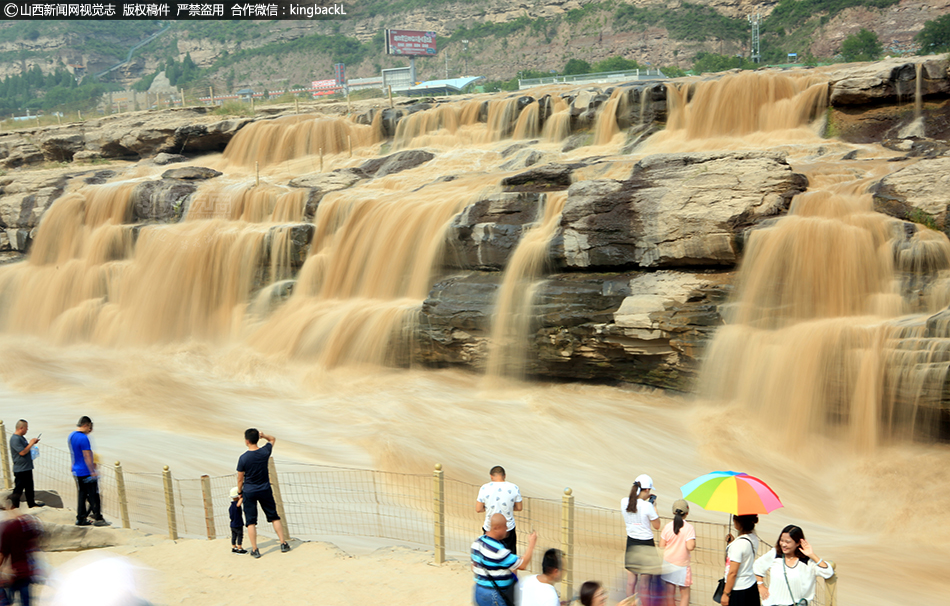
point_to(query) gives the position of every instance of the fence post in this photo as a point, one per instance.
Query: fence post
(567, 543)
(7, 470)
(170, 504)
(831, 586)
(123, 498)
(438, 510)
(278, 499)
(209, 506)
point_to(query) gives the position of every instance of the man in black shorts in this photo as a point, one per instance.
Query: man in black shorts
(253, 482)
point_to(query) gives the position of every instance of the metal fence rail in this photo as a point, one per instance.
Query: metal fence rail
(430, 511)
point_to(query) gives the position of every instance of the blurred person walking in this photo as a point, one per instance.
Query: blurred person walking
(740, 588)
(793, 568)
(494, 564)
(253, 484)
(19, 538)
(592, 593)
(538, 590)
(500, 496)
(86, 474)
(21, 452)
(641, 519)
(677, 540)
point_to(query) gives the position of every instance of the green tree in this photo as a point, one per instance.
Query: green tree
(935, 37)
(672, 71)
(862, 46)
(615, 64)
(576, 66)
(711, 62)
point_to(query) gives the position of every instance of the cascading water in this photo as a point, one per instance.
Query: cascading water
(513, 315)
(227, 319)
(811, 334)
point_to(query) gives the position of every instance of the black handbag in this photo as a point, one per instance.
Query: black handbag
(721, 587)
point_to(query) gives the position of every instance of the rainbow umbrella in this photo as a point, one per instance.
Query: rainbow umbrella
(731, 492)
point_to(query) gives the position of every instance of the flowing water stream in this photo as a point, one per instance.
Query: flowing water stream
(174, 338)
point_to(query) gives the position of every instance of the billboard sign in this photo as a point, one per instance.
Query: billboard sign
(409, 42)
(339, 72)
(323, 87)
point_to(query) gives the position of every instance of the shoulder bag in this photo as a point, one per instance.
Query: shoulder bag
(801, 602)
(721, 587)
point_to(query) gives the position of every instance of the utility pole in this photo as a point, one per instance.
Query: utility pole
(755, 20)
(465, 50)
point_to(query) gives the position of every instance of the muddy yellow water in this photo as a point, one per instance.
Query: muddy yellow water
(171, 345)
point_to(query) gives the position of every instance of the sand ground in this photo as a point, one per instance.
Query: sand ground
(192, 571)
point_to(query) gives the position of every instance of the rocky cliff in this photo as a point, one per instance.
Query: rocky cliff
(504, 38)
(640, 264)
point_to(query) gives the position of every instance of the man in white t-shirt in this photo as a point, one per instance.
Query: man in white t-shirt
(539, 590)
(500, 496)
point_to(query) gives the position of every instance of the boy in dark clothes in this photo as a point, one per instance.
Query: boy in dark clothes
(237, 522)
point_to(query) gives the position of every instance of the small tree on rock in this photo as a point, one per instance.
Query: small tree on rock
(862, 46)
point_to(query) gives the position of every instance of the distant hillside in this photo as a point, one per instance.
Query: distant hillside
(504, 38)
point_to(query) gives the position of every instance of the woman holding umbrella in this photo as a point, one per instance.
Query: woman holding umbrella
(793, 567)
(744, 496)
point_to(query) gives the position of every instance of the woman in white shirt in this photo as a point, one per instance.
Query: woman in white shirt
(740, 555)
(640, 517)
(793, 568)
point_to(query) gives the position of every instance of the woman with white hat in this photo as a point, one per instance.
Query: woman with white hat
(641, 519)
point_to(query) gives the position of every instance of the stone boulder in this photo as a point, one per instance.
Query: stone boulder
(191, 173)
(394, 163)
(164, 159)
(161, 201)
(544, 178)
(484, 235)
(674, 210)
(890, 80)
(321, 184)
(919, 192)
(18, 149)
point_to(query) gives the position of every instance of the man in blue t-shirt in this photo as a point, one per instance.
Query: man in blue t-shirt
(253, 483)
(87, 477)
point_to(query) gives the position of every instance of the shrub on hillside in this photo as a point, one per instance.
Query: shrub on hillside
(935, 37)
(862, 46)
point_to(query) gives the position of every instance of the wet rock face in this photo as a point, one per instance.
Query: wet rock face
(548, 177)
(160, 201)
(648, 328)
(191, 173)
(486, 233)
(890, 80)
(394, 163)
(675, 210)
(24, 198)
(919, 193)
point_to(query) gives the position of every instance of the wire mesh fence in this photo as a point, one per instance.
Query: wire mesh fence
(322, 501)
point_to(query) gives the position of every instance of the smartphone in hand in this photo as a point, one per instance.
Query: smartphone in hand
(652, 499)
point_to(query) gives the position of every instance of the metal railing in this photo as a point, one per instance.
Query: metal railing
(317, 501)
(603, 77)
